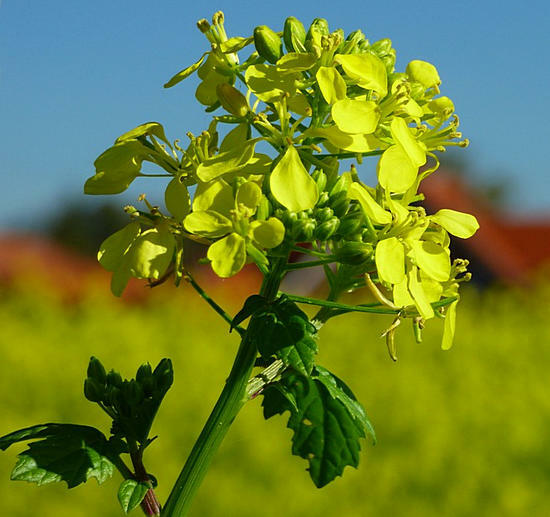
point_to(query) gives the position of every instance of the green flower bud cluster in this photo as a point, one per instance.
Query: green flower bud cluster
(133, 403)
(315, 96)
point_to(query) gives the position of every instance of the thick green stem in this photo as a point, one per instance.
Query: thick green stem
(231, 400)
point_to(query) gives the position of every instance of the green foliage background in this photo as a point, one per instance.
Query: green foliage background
(460, 433)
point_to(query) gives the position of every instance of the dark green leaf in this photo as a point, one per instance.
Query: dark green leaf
(65, 452)
(251, 305)
(281, 329)
(327, 421)
(131, 493)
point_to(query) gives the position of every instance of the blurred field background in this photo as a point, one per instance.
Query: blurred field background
(460, 433)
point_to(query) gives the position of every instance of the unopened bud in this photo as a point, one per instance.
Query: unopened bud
(96, 370)
(354, 253)
(93, 391)
(326, 230)
(268, 44)
(294, 35)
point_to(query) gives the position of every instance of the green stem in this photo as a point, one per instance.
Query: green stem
(188, 278)
(231, 400)
(309, 263)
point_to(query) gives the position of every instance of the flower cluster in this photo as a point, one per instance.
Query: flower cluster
(318, 100)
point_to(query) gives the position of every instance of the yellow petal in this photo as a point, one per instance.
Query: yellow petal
(456, 223)
(228, 255)
(370, 207)
(390, 260)
(331, 84)
(403, 136)
(396, 172)
(367, 69)
(353, 116)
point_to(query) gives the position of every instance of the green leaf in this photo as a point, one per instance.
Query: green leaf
(327, 421)
(177, 199)
(356, 116)
(267, 234)
(228, 161)
(370, 207)
(331, 83)
(367, 70)
(208, 223)
(64, 452)
(131, 493)
(284, 331)
(116, 168)
(228, 255)
(113, 248)
(186, 72)
(390, 260)
(152, 253)
(456, 223)
(291, 184)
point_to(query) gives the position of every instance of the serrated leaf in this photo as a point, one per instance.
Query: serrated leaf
(65, 452)
(131, 493)
(327, 421)
(284, 331)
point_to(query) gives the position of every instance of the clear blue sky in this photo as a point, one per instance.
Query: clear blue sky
(76, 74)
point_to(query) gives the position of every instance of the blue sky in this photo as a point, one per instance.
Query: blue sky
(74, 75)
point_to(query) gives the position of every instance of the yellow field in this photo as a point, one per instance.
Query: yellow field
(460, 433)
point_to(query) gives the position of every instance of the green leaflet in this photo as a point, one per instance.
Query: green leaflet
(208, 223)
(64, 452)
(331, 83)
(131, 493)
(116, 168)
(268, 84)
(291, 184)
(228, 161)
(282, 330)
(367, 70)
(356, 116)
(456, 223)
(390, 260)
(431, 258)
(228, 255)
(177, 199)
(267, 234)
(327, 421)
(370, 207)
(186, 72)
(151, 254)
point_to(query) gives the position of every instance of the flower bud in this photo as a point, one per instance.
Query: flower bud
(268, 44)
(96, 370)
(354, 253)
(319, 25)
(324, 231)
(323, 214)
(320, 178)
(93, 390)
(302, 230)
(164, 375)
(339, 203)
(232, 100)
(350, 224)
(350, 45)
(294, 35)
(265, 209)
(114, 379)
(323, 199)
